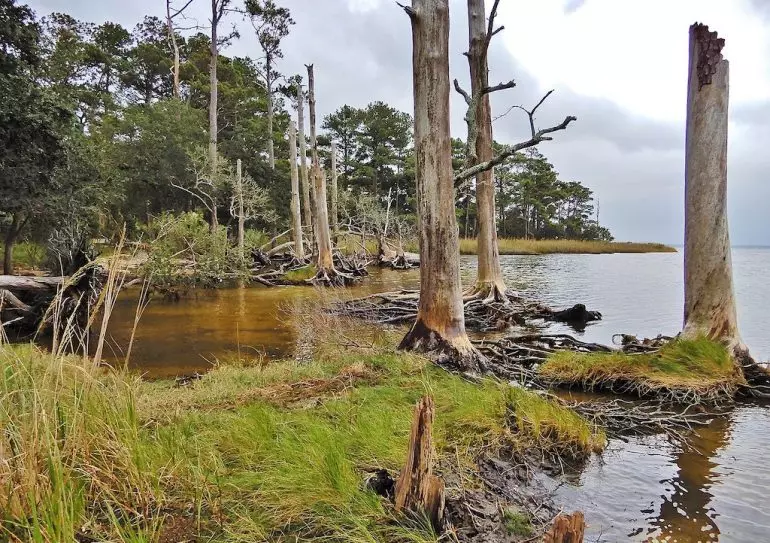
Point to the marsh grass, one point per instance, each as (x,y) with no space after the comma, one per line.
(249,452)
(688,368)
(511,246)
(301,275)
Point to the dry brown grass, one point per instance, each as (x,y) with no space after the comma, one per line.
(511,246)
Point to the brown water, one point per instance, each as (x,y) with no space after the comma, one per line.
(647,489)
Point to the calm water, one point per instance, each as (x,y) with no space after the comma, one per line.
(645,490)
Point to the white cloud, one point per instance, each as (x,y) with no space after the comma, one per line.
(362,6)
(635,53)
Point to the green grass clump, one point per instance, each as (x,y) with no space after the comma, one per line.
(511,246)
(301,275)
(551,427)
(700,365)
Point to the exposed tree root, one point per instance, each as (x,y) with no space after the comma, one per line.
(353,266)
(488,292)
(455,353)
(330,277)
(481,315)
(757,375)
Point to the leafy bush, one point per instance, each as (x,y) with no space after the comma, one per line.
(185,251)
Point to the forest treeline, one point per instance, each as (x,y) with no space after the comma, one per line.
(100,130)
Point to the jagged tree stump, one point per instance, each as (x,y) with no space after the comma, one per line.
(567,529)
(417,489)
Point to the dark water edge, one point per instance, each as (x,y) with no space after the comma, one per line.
(642,490)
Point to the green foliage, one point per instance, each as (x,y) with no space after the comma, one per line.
(185,251)
(517,523)
(301,275)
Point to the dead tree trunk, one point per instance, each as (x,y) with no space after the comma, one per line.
(296,220)
(325,262)
(709,300)
(335,214)
(440,325)
(490,285)
(567,529)
(241,215)
(217,11)
(269,85)
(307,204)
(418,491)
(174,47)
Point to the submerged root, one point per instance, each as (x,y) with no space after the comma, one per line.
(481,314)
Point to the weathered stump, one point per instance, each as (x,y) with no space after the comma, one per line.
(417,489)
(567,529)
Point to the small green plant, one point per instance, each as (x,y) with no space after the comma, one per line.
(301,275)
(517,523)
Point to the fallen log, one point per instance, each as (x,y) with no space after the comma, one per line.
(29,283)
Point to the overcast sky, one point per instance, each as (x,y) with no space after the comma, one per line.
(620,66)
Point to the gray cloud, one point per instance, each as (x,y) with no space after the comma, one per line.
(634,164)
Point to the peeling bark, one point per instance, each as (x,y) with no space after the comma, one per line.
(440,325)
(296,218)
(709,307)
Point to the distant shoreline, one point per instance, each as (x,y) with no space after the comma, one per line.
(511,246)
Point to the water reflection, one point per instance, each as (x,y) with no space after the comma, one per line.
(686,513)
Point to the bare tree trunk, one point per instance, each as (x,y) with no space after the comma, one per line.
(213,100)
(270,143)
(174,47)
(709,300)
(489,281)
(241,216)
(440,325)
(325,261)
(296,220)
(335,214)
(307,204)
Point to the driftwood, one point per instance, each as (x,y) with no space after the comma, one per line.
(417,490)
(27,303)
(567,529)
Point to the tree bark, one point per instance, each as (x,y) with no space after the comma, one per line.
(306,202)
(270,143)
(296,220)
(417,489)
(489,281)
(325,261)
(709,300)
(213,99)
(335,214)
(567,529)
(241,216)
(440,325)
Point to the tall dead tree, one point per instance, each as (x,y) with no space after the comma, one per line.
(296,219)
(709,300)
(440,325)
(172,14)
(307,204)
(335,214)
(326,273)
(479,154)
(241,213)
(218,8)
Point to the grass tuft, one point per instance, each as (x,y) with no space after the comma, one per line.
(695,368)
(301,275)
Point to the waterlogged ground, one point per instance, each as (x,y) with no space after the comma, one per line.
(643,490)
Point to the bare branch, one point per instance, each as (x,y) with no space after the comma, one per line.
(491,26)
(180,10)
(500,86)
(538,137)
(409,11)
(463,92)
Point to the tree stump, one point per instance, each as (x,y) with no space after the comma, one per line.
(567,529)
(417,489)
